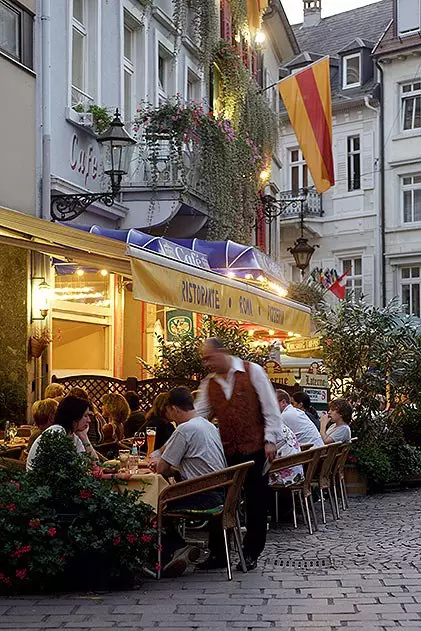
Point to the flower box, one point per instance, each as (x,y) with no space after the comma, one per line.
(355,481)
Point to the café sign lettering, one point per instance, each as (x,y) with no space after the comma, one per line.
(83,161)
(302,345)
(275,374)
(315,381)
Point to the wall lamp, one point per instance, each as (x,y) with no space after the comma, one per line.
(41,298)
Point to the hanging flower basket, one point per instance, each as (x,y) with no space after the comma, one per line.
(38,343)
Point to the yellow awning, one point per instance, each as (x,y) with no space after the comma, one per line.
(174,284)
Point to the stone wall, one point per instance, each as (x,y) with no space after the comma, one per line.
(13,333)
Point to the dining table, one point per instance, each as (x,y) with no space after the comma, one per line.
(149,483)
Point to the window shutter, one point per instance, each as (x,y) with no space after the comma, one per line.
(367,160)
(226,20)
(254,65)
(341,175)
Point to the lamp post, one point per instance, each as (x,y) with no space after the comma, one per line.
(272,208)
(116,148)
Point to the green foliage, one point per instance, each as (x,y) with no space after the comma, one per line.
(101,117)
(12,401)
(64,528)
(204,20)
(371,353)
(307,293)
(181,359)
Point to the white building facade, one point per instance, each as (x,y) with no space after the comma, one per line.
(344,221)
(399,57)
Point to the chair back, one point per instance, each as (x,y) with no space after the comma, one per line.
(341,458)
(12,453)
(327,462)
(12,464)
(24,431)
(231,478)
(310,457)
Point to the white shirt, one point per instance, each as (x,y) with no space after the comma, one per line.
(304,429)
(35,445)
(196,448)
(262,385)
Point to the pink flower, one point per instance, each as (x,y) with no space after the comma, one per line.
(85,494)
(15,484)
(329,341)
(146,538)
(116,541)
(158,567)
(22,574)
(34,523)
(12,507)
(131,538)
(52,532)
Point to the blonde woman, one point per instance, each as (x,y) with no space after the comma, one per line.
(116,411)
(43,413)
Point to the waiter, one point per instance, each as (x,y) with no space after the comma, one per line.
(243,400)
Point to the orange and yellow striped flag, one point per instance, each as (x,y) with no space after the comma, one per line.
(307,99)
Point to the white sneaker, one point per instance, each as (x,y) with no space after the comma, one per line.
(181,558)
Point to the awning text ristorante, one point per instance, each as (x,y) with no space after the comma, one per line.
(205,292)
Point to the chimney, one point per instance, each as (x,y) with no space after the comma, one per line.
(312,12)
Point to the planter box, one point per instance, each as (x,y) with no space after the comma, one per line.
(356,482)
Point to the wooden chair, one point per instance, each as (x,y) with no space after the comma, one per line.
(324,477)
(24,431)
(12,464)
(306,446)
(231,479)
(311,459)
(12,453)
(338,477)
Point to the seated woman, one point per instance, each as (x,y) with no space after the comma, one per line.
(96,422)
(286,445)
(116,411)
(136,421)
(43,413)
(340,412)
(71,417)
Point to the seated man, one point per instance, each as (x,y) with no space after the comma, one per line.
(297,420)
(340,413)
(301,400)
(136,421)
(194,449)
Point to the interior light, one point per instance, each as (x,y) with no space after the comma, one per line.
(251,332)
(231,275)
(261,279)
(80,272)
(249,276)
(271,332)
(260,37)
(104,272)
(297,335)
(290,334)
(264,175)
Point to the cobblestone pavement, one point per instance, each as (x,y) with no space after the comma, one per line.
(361,572)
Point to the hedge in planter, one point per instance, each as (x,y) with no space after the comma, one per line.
(63,528)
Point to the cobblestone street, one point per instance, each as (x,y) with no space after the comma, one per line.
(361,572)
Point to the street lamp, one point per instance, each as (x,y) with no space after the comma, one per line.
(116,148)
(302,251)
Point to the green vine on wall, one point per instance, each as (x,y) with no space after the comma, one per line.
(204,20)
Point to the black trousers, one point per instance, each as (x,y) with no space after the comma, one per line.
(256,498)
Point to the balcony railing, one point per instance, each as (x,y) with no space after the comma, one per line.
(312,204)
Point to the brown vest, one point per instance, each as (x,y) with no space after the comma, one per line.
(240,418)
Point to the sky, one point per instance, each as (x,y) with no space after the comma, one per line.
(294,8)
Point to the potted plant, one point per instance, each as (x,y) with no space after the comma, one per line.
(39,341)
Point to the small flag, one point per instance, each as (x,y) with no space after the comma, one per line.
(339,286)
(307,98)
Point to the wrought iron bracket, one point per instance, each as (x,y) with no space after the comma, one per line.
(273,208)
(68,207)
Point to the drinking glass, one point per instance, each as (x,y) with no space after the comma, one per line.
(124,458)
(132,463)
(13,432)
(150,433)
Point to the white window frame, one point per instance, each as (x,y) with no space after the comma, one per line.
(302,170)
(193,79)
(163,49)
(129,69)
(410,31)
(412,186)
(345,85)
(352,155)
(413,95)
(90,30)
(410,282)
(352,278)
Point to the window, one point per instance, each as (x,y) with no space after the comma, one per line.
(354,163)
(299,175)
(410,289)
(16,33)
(165,74)
(128,72)
(411,198)
(351,71)
(193,88)
(408,16)
(84,52)
(354,280)
(411,105)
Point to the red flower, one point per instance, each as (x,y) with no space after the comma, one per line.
(116,541)
(4,579)
(19,551)
(131,538)
(158,567)
(15,484)
(11,507)
(85,494)
(52,532)
(154,524)
(34,523)
(22,574)
(328,341)
(146,538)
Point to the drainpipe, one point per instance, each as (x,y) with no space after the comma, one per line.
(46,108)
(378,258)
(382,190)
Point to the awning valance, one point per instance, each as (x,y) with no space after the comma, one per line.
(201,291)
